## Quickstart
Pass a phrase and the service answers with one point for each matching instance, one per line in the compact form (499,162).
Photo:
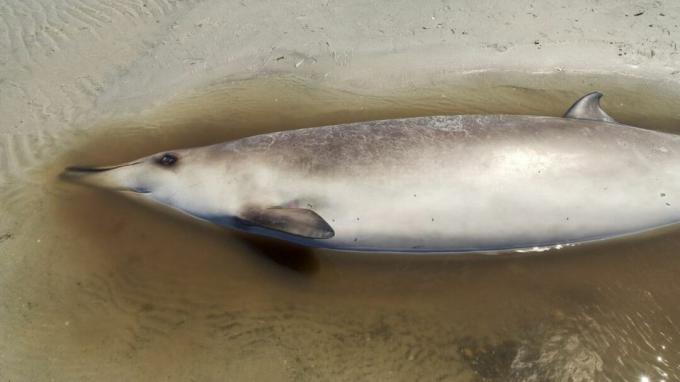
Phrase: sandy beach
(94,287)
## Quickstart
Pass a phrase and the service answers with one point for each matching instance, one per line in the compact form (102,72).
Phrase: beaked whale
(464,183)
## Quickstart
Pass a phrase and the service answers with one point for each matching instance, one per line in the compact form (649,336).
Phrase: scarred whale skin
(429,184)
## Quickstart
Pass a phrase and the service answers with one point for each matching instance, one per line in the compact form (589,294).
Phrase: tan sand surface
(93,287)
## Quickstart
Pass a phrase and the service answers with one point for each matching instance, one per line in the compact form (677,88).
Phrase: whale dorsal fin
(588,107)
(295,221)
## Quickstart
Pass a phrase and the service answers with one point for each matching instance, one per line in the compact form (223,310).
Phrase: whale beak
(109,177)
(77,171)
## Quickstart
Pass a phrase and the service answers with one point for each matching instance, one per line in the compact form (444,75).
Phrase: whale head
(190,180)
(220,183)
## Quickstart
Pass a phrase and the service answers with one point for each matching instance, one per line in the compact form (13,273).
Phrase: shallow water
(94,286)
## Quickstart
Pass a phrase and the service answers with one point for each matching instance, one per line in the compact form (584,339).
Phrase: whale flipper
(295,221)
(588,107)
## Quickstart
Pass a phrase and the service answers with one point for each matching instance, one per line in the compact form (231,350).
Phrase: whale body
(460,183)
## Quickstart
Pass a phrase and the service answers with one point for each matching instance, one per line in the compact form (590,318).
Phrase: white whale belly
(498,216)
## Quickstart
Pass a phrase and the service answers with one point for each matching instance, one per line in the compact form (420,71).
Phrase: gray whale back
(472,183)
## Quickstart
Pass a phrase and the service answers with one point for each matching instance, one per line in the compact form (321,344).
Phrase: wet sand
(94,286)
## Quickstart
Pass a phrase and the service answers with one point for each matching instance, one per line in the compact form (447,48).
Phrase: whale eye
(167,160)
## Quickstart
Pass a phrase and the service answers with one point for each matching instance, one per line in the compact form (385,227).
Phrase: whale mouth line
(136,190)
(88,169)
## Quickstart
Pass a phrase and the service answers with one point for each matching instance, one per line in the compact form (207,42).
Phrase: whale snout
(77,171)
(110,177)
